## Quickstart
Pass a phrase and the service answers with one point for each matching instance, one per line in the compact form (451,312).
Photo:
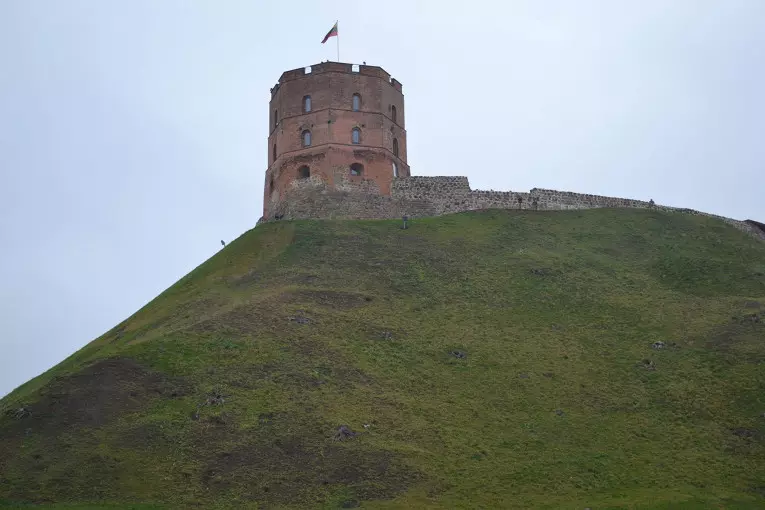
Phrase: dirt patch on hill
(304,374)
(185,315)
(739,341)
(255,376)
(327,298)
(59,431)
(378,332)
(248,319)
(95,396)
(247,279)
(303,465)
(740,331)
(143,436)
(272,314)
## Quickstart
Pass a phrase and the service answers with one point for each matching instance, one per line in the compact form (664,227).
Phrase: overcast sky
(133,133)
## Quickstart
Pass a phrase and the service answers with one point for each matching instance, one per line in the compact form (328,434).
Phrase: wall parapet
(336,67)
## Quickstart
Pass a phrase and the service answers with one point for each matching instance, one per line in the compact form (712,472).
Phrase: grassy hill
(494,359)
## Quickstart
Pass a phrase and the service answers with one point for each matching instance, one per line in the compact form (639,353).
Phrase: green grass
(555,311)
(64,506)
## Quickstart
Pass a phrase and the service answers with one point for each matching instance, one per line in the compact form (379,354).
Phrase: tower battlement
(336,67)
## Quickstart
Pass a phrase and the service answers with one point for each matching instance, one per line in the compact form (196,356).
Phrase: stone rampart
(549,199)
(313,198)
(433,196)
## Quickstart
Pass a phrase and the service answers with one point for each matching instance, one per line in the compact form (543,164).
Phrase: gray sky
(133,133)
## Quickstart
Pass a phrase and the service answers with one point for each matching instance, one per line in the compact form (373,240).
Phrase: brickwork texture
(343,98)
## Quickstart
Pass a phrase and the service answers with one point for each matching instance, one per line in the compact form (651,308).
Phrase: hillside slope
(493,359)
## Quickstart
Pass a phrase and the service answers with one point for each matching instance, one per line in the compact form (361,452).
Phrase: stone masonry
(434,196)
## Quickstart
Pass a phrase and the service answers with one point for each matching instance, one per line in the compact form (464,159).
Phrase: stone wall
(549,199)
(453,194)
(757,225)
(434,196)
(347,199)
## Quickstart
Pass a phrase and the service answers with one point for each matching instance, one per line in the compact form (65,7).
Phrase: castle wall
(346,199)
(756,225)
(385,188)
(453,194)
(434,196)
(549,199)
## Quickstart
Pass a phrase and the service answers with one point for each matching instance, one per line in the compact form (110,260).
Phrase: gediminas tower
(338,123)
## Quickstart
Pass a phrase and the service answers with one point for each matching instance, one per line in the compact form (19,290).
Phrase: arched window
(395,169)
(306,138)
(395,147)
(306,104)
(356,102)
(276,118)
(393,113)
(271,184)
(356,135)
(273,155)
(357,169)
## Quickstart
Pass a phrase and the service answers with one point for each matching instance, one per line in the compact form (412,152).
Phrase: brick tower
(337,125)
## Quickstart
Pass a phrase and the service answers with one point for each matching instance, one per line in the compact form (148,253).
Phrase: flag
(331,33)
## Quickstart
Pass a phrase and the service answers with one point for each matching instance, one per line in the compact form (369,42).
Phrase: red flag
(331,33)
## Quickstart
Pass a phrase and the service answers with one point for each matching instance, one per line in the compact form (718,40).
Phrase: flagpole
(338,40)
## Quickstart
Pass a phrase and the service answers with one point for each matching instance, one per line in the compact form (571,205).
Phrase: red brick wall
(331,121)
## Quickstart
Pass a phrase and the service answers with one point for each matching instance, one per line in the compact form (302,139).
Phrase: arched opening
(395,169)
(393,113)
(304,172)
(356,135)
(357,169)
(395,147)
(306,104)
(271,184)
(276,118)
(306,138)
(273,154)
(356,102)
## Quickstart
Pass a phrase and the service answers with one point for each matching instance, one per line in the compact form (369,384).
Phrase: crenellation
(375,71)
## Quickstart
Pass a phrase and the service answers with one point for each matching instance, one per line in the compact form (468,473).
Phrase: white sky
(133,132)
